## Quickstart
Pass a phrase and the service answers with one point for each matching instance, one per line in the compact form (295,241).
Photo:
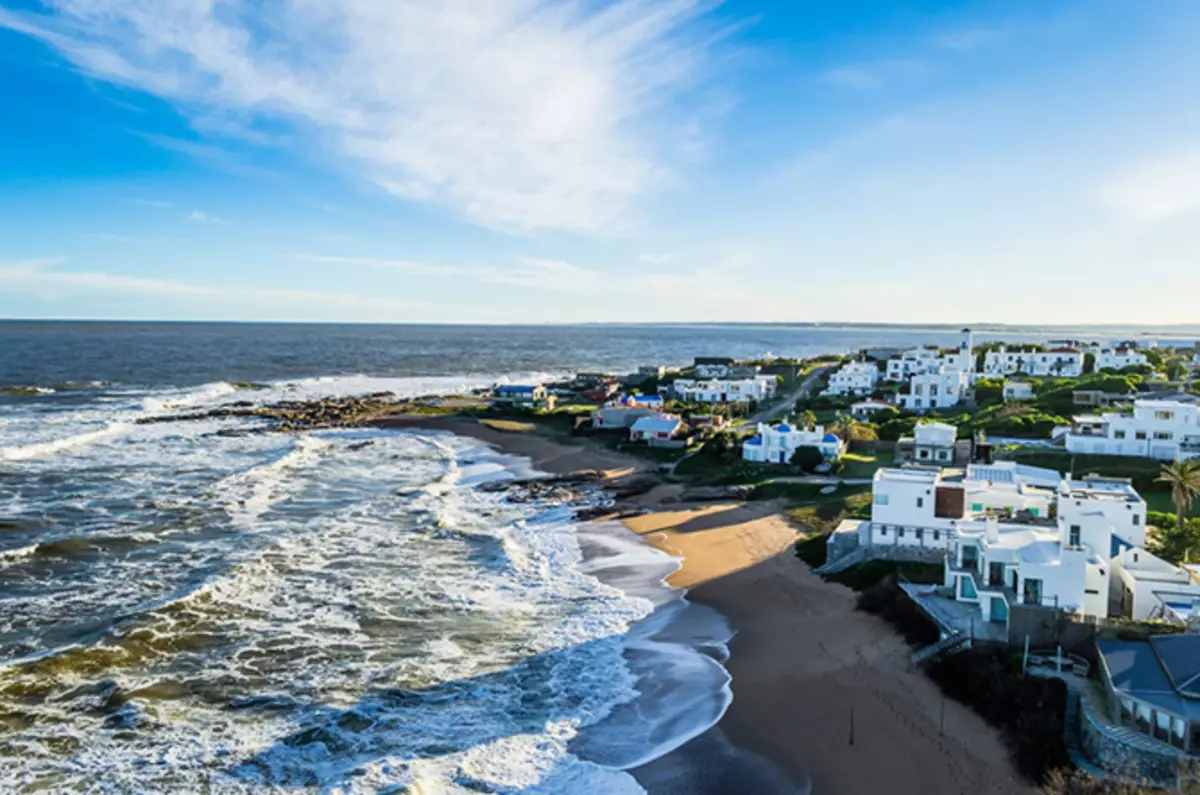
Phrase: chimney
(991,526)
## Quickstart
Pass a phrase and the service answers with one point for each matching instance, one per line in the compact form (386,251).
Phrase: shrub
(1028,710)
(893,429)
(813,550)
(807,458)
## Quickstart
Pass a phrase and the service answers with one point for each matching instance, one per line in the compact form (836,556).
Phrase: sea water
(186,608)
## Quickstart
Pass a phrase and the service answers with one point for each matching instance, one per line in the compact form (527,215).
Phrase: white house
(932,444)
(1147,587)
(1017,390)
(913,362)
(865,409)
(656,428)
(625,411)
(776,444)
(854,378)
(1064,555)
(1162,429)
(1119,357)
(1058,362)
(721,391)
(935,390)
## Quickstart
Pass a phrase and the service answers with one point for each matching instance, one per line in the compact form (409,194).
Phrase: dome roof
(757,440)
(829,437)
(783,427)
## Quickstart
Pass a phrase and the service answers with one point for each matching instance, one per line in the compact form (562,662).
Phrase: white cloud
(967,38)
(548,275)
(38,277)
(1160,189)
(874,74)
(205,218)
(520,114)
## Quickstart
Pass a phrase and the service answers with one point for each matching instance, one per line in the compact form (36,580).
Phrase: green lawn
(863,465)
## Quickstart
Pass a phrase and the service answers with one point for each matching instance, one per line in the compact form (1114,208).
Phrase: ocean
(186,608)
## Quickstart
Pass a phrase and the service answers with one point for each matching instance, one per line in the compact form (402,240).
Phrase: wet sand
(825,698)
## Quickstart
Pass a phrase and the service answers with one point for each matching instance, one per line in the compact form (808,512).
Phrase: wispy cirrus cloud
(519,114)
(548,275)
(42,277)
(967,38)
(874,74)
(199,216)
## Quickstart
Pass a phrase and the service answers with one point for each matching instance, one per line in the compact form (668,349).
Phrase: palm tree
(1184,479)
(805,420)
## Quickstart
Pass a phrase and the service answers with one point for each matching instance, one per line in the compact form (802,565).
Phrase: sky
(1007,161)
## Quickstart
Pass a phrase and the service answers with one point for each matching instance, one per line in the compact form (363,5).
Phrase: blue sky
(667,160)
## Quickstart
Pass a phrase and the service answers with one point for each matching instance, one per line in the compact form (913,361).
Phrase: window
(920,533)
(920,502)
(1074,536)
(1164,436)
(1164,415)
(900,532)
(933,390)
(937,535)
(996,574)
(976,506)
(1118,434)
(1137,520)
(943,455)
(881,499)
(966,588)
(1033,592)
(923,454)
(918,389)
(882,530)
(1140,436)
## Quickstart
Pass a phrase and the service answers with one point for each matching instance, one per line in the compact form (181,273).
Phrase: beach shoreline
(824,695)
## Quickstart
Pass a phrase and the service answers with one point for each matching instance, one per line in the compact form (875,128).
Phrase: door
(999,611)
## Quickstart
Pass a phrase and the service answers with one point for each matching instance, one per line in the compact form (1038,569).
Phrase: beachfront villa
(940,389)
(656,429)
(522,396)
(1165,430)
(1057,362)
(1012,535)
(1154,686)
(746,390)
(854,378)
(866,409)
(776,444)
(1119,357)
(1017,390)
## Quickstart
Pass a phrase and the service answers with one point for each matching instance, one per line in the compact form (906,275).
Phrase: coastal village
(1022,506)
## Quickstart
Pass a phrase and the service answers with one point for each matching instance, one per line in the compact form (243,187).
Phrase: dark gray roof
(1136,669)
(1180,656)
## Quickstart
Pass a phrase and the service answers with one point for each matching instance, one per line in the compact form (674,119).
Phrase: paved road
(786,404)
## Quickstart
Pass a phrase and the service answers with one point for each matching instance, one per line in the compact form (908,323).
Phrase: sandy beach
(803,659)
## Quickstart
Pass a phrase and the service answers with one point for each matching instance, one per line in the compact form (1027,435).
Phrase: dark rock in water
(360,445)
(496,486)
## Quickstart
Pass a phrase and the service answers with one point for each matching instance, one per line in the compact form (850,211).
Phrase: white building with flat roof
(1147,587)
(1119,357)
(1165,430)
(776,444)
(1056,362)
(915,361)
(941,389)
(1017,390)
(854,378)
(866,409)
(744,390)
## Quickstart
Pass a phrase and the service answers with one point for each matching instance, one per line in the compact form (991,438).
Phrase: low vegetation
(1029,711)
